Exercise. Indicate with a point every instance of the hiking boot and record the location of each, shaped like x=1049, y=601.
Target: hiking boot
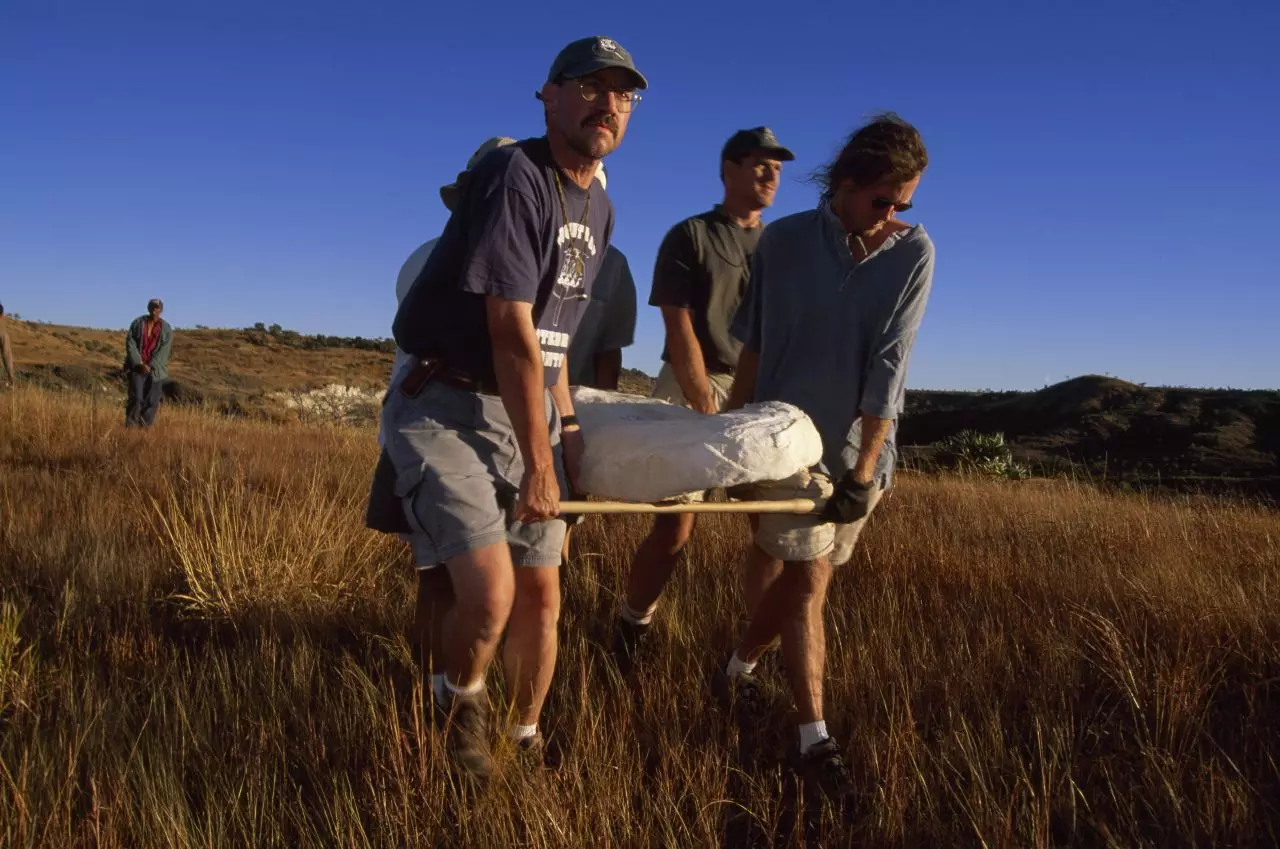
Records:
x=628, y=642
x=743, y=697
x=824, y=768
x=539, y=753
x=466, y=731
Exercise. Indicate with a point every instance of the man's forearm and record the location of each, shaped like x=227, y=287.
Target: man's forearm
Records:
x=875, y=431
x=685, y=354
x=517, y=363
x=560, y=394
x=608, y=369
x=744, y=380
x=691, y=374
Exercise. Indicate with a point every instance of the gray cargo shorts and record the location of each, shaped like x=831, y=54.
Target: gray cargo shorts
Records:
x=458, y=470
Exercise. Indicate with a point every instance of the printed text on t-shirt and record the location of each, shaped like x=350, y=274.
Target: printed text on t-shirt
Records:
x=558, y=343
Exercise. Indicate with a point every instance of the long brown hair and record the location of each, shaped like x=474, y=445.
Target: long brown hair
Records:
x=885, y=149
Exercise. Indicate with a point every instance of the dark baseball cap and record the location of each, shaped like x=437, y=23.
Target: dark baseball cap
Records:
x=588, y=55
x=757, y=138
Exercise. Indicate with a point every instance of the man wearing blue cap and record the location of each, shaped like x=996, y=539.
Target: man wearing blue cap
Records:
x=480, y=429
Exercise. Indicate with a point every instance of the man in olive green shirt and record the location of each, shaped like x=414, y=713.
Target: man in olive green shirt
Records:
x=698, y=282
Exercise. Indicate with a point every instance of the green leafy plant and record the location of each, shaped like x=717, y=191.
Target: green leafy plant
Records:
x=980, y=453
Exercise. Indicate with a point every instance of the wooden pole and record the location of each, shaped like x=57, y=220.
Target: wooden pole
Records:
x=795, y=506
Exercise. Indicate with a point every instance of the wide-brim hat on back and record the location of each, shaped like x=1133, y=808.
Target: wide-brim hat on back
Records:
x=450, y=193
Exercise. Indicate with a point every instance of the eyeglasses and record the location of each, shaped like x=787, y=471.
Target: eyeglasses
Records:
x=886, y=203
x=591, y=92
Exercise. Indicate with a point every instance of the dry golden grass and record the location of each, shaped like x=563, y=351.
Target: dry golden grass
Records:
x=200, y=645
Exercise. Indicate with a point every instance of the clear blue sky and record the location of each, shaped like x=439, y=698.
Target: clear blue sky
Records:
x=1102, y=191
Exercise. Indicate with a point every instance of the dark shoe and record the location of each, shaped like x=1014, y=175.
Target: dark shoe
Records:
x=539, y=753
x=467, y=733
x=628, y=643
x=743, y=697
x=824, y=768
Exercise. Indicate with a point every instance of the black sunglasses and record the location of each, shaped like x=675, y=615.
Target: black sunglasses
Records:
x=885, y=203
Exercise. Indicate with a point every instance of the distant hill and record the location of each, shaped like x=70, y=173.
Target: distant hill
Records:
x=1168, y=436
x=1171, y=436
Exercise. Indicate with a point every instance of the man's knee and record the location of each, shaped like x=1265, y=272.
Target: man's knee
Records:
x=483, y=589
x=538, y=595
x=808, y=579
x=672, y=532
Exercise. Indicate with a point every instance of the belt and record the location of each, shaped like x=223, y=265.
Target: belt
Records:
x=424, y=372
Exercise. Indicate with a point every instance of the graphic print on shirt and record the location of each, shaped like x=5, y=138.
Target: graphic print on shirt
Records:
x=577, y=247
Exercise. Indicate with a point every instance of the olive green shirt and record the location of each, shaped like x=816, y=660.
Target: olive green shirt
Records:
x=703, y=266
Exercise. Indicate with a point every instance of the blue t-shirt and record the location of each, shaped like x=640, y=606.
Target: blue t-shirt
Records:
x=510, y=238
x=834, y=336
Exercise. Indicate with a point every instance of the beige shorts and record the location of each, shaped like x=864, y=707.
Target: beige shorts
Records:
x=667, y=388
x=797, y=538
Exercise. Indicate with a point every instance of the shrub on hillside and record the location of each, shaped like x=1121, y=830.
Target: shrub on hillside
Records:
x=981, y=453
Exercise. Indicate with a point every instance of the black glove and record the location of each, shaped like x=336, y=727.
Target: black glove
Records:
x=850, y=501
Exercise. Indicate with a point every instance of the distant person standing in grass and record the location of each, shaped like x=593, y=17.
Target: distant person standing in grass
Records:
x=698, y=282
x=6, y=353
x=828, y=323
x=146, y=362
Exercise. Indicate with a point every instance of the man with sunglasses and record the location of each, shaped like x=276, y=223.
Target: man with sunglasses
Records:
x=480, y=429
x=828, y=323
x=698, y=282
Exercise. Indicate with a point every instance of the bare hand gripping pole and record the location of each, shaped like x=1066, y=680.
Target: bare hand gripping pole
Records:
x=798, y=506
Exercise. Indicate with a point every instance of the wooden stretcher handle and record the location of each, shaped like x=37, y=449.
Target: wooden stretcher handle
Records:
x=797, y=506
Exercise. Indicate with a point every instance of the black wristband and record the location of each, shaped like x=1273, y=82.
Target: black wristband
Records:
x=566, y=421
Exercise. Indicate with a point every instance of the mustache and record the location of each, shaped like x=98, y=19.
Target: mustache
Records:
x=604, y=119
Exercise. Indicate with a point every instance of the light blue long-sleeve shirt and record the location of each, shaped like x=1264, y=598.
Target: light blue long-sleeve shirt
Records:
x=834, y=336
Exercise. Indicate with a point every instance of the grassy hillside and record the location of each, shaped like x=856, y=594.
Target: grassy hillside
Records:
x=235, y=370
x=1096, y=426
x=200, y=645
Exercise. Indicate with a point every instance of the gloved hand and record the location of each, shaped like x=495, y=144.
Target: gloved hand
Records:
x=850, y=501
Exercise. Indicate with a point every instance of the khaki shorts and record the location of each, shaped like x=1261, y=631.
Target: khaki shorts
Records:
x=667, y=388
x=798, y=538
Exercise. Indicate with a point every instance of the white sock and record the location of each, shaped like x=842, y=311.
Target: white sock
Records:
x=522, y=732
x=637, y=617
x=811, y=734
x=437, y=687
x=473, y=690
x=737, y=666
